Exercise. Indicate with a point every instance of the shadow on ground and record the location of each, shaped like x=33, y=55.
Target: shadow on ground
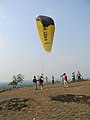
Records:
x=16, y=104
x=71, y=98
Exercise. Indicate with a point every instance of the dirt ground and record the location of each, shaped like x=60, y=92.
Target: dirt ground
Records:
x=53, y=102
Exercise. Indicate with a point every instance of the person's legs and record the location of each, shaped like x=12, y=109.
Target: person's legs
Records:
x=64, y=83
x=36, y=85
x=41, y=86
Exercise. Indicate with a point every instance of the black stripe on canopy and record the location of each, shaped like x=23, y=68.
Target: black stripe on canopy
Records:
x=46, y=21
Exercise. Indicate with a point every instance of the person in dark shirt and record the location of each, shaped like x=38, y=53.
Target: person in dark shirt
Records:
x=41, y=82
x=35, y=81
x=52, y=79
x=79, y=76
x=73, y=76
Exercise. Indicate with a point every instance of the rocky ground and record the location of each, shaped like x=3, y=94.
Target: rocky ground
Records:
x=53, y=102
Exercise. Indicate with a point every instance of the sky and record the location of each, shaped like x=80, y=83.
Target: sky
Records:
x=21, y=51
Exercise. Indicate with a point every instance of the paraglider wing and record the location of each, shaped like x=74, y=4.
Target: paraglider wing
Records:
x=46, y=28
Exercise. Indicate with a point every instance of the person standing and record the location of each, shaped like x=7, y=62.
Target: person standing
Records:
x=52, y=79
x=41, y=81
x=65, y=80
x=35, y=81
x=46, y=79
x=62, y=79
x=73, y=76
x=79, y=76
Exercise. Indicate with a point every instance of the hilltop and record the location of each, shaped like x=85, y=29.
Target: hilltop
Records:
x=54, y=102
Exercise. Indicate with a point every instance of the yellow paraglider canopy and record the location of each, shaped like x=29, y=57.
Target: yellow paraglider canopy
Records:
x=46, y=28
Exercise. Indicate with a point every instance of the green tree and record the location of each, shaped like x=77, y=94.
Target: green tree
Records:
x=16, y=79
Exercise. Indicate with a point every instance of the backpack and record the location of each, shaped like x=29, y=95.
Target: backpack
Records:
x=34, y=80
x=41, y=81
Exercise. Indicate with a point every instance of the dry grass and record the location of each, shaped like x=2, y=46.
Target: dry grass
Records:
x=54, y=102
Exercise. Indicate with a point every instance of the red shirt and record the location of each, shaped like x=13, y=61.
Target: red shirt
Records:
x=65, y=77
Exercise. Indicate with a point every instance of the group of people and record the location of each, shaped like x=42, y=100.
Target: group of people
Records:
x=65, y=81
x=46, y=78
x=78, y=76
x=38, y=79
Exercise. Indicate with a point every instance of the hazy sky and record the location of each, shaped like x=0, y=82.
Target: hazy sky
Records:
x=21, y=50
